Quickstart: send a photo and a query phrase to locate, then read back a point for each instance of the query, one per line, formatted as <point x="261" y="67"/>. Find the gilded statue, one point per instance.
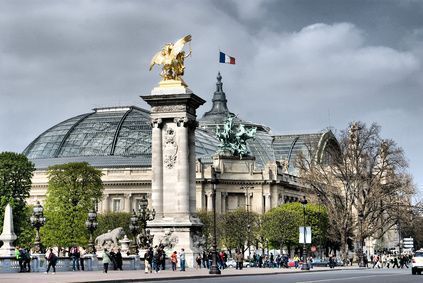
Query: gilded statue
<point x="172" y="58"/>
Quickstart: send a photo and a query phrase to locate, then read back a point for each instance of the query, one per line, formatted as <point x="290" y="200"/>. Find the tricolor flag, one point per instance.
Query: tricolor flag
<point x="223" y="58"/>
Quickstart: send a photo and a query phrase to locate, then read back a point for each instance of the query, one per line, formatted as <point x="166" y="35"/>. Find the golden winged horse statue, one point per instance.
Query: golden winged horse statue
<point x="172" y="58"/>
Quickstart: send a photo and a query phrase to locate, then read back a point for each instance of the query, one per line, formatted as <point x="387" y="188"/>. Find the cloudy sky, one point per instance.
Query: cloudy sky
<point x="301" y="65"/>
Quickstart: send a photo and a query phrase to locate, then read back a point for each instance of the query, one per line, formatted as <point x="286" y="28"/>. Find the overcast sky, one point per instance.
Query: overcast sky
<point x="301" y="65"/>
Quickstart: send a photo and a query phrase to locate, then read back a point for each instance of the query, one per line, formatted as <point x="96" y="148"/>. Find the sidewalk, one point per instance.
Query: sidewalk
<point x="139" y="275"/>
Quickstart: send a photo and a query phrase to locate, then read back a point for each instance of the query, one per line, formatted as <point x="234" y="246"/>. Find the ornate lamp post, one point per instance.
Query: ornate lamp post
<point x="361" y="252"/>
<point x="305" y="265"/>
<point x="145" y="214"/>
<point x="37" y="221"/>
<point x="214" y="269"/>
<point x="91" y="225"/>
<point x="134" y="228"/>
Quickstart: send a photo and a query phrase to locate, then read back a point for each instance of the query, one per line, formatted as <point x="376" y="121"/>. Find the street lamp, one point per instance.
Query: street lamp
<point x="134" y="228"/>
<point x="91" y="225"/>
<point x="361" y="251"/>
<point x="144" y="215"/>
<point x="320" y="227"/>
<point x="305" y="265"/>
<point x="214" y="269"/>
<point x="37" y="221"/>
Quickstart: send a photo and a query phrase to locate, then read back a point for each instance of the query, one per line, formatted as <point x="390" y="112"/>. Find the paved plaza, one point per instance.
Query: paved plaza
<point x="139" y="275"/>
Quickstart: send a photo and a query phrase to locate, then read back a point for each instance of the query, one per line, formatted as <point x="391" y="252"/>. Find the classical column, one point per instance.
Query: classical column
<point x="183" y="163"/>
<point x="157" y="167"/>
<point x="223" y="208"/>
<point x="105" y="204"/>
<point x="209" y="202"/>
<point x="268" y="205"/>
<point x="128" y="199"/>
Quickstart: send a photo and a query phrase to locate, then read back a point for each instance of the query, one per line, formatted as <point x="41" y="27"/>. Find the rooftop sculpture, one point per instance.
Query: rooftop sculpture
<point x="233" y="139"/>
<point x="172" y="58"/>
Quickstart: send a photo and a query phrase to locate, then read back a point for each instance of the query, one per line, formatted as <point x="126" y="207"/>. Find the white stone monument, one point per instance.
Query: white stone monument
<point x="8" y="235"/>
<point x="173" y="119"/>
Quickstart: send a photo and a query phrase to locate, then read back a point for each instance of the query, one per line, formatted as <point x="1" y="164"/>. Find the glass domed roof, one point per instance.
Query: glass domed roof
<point x="114" y="136"/>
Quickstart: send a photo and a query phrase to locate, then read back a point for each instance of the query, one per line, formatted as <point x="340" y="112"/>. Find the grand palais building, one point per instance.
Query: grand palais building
<point x="117" y="140"/>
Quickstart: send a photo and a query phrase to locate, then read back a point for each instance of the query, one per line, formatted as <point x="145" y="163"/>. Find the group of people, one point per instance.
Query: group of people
<point x="155" y="259"/>
<point x="114" y="258"/>
<point x="24" y="258"/>
<point x="388" y="260"/>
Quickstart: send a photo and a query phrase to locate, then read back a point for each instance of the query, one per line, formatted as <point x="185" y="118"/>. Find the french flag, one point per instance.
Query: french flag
<point x="223" y="58"/>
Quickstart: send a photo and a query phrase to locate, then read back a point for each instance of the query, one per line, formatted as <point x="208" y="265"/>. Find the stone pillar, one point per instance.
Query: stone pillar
<point x="128" y="200"/>
<point x="157" y="167"/>
<point x="223" y="207"/>
<point x="182" y="190"/>
<point x="105" y="204"/>
<point x="209" y="201"/>
<point x="268" y="205"/>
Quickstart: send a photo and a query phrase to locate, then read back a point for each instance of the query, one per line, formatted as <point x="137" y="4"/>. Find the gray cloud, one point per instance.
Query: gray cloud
<point x="301" y="65"/>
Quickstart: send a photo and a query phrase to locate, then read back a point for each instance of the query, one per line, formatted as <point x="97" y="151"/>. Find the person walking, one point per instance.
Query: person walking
<point x="182" y="259"/>
<point x="119" y="260"/>
<point x="174" y="260"/>
<point x="52" y="260"/>
<point x="82" y="253"/>
<point x="106" y="260"/>
<point x="239" y="257"/>
<point x="19" y="258"/>
<point x="148" y="260"/>
<point x="74" y="255"/>
<point x="198" y="261"/>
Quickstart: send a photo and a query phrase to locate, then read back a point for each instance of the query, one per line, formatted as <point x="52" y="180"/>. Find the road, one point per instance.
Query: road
<point x="341" y="276"/>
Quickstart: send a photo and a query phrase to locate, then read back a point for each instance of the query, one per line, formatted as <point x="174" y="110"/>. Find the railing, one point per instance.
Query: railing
<point x="91" y="263"/>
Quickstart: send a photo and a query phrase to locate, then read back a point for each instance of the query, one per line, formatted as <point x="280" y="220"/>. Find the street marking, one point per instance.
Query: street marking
<point x="349" y="278"/>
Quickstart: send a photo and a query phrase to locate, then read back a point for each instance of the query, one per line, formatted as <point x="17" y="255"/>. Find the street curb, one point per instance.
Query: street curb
<point x="211" y="276"/>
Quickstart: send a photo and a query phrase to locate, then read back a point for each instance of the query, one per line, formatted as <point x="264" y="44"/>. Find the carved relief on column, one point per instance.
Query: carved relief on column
<point x="170" y="148"/>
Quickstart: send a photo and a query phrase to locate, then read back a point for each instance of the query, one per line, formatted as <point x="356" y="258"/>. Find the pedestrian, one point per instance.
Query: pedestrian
<point x="19" y="258"/>
<point x="205" y="260"/>
<point x="239" y="257"/>
<point x="148" y="259"/>
<point x="182" y="259"/>
<point x="331" y="261"/>
<point x="82" y="253"/>
<point x="163" y="258"/>
<point x="296" y="261"/>
<point x="74" y="255"/>
<point x="52" y="260"/>
<point x="26" y="259"/>
<point x="106" y="260"/>
<point x="395" y="262"/>
<point x="119" y="259"/>
<point x="174" y="260"/>
<point x="198" y="261"/>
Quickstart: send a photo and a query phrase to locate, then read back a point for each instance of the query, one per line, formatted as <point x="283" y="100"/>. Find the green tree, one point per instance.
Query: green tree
<point x="15" y="184"/>
<point x="281" y="224"/>
<point x="234" y="229"/>
<point x="111" y="220"/>
<point x="73" y="189"/>
<point x="206" y="218"/>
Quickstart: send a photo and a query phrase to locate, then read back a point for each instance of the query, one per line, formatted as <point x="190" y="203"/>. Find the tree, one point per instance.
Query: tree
<point x="280" y="225"/>
<point x="73" y="189"/>
<point x="15" y="185"/>
<point x="362" y="173"/>
<point x="206" y="218"/>
<point x="234" y="231"/>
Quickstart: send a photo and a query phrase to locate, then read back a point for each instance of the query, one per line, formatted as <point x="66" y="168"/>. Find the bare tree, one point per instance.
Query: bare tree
<point x="363" y="175"/>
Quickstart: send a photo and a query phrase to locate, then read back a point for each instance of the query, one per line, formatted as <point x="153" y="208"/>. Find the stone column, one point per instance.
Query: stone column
<point x="223" y="209"/>
<point x="183" y="194"/>
<point x="105" y="204"/>
<point x="268" y="205"/>
<point x="128" y="199"/>
<point x="209" y="201"/>
<point x="157" y="167"/>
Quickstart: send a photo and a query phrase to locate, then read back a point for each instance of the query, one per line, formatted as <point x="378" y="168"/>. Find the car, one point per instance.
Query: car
<point x="417" y="262"/>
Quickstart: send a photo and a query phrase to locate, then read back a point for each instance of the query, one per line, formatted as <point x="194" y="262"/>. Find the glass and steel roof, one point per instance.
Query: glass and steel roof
<point x="109" y="137"/>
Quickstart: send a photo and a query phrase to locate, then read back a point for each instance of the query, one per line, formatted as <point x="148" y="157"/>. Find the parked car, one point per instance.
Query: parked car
<point x="325" y="262"/>
<point x="417" y="262"/>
